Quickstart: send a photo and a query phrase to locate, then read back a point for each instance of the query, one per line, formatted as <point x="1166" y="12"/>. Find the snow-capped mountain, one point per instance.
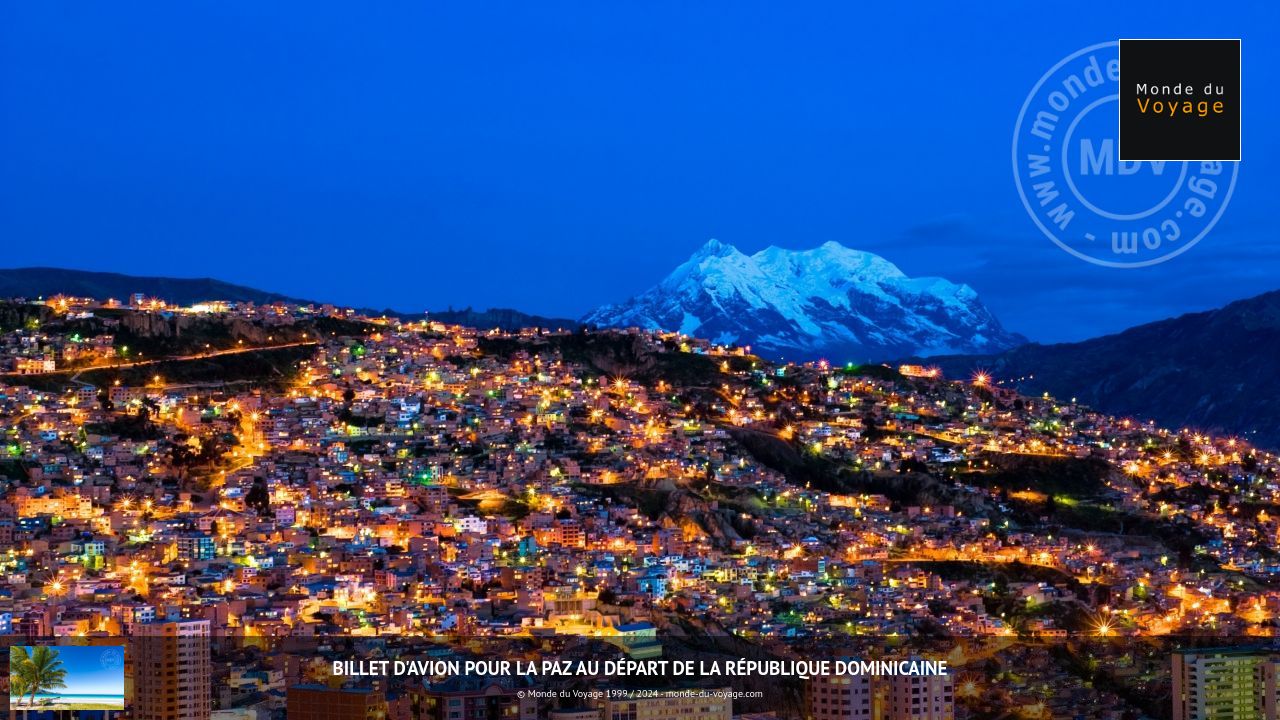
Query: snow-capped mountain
<point x="829" y="302"/>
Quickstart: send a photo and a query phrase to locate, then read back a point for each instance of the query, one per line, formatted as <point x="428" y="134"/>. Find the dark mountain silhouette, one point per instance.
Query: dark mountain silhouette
<point x="1215" y="371"/>
<point x="504" y="318"/>
<point x="38" y="282"/>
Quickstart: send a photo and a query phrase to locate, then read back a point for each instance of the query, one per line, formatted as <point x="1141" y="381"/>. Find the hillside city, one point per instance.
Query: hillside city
<point x="271" y="472"/>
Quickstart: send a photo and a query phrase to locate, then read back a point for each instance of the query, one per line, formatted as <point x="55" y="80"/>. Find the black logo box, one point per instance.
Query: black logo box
<point x="1211" y="132"/>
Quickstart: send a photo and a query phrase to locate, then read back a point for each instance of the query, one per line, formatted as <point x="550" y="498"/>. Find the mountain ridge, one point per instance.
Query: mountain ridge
<point x="830" y="301"/>
<point x="36" y="282"/>
<point x="1213" y="370"/>
<point x="45" y="281"/>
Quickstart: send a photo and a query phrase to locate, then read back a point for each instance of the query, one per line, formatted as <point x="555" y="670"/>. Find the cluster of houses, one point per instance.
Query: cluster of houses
<point x="410" y="481"/>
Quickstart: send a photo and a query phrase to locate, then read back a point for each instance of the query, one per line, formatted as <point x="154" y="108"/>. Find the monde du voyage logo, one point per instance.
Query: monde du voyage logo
<point x="1122" y="184"/>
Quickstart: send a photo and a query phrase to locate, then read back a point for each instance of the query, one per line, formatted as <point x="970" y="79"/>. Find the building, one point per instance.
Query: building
<point x="193" y="547"/>
<point x="1223" y="684"/>
<point x="880" y="697"/>
<point x="688" y="704"/>
<point x="577" y="713"/>
<point x="34" y="366"/>
<point x="918" y="697"/>
<point x="472" y="698"/>
<point x="1269" y="697"/>
<point x="171" y="669"/>
<point x="919" y="371"/>
<point x="318" y="702"/>
<point x="839" y="697"/>
<point x="638" y="639"/>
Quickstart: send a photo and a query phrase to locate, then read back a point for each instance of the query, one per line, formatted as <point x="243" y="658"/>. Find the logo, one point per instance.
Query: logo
<point x="111" y="658"/>
<point x="1180" y="100"/>
<point x="1070" y="178"/>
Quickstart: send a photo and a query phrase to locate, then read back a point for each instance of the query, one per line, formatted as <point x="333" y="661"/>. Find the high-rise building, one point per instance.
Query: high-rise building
<point x="1269" y="688"/>
<point x="1223" y="684"/>
<point x="839" y="697"/>
<point x="880" y="697"/>
<point x="919" y="697"/>
<point x="318" y="702"/>
<point x="688" y="704"/>
<point x="171" y="668"/>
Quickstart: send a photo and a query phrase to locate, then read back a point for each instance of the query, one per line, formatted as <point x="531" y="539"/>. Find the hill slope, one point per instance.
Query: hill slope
<point x="35" y="282"/>
<point x="1217" y="371"/>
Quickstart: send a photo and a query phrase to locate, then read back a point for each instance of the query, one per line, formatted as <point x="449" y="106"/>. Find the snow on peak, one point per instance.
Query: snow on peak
<point x="829" y="300"/>
<point x="714" y="248"/>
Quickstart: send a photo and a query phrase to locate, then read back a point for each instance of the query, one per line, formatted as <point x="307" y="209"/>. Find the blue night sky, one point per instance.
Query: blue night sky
<point x="555" y="156"/>
<point x="87" y="674"/>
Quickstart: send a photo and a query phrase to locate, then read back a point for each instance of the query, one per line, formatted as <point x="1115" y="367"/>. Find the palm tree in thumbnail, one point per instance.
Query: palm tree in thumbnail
<point x="18" y="683"/>
<point x="37" y="671"/>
